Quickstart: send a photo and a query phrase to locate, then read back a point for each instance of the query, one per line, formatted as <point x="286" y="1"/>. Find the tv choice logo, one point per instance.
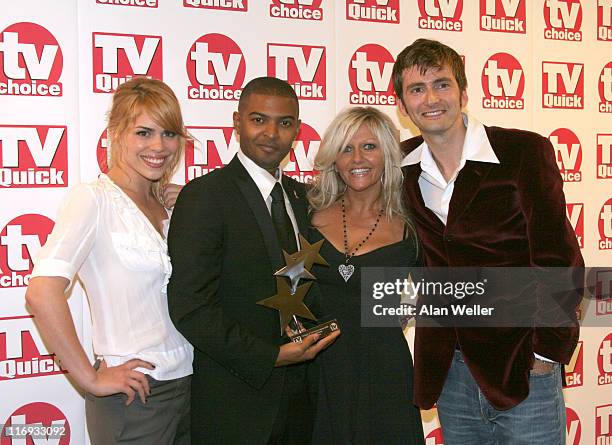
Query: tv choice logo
<point x="573" y="427"/>
<point x="382" y="11"/>
<point x="31" y="62"/>
<point x="222" y="5"/>
<point x="435" y="437"/>
<point x="507" y="16"/>
<point x="299" y="163"/>
<point x="604" y="20"/>
<point x="575" y="215"/>
<point x="302" y="66"/>
<point x="603" y="292"/>
<point x="42" y="423"/>
<point x="604" y="156"/>
<point x="604" y="361"/>
<point x="102" y="151"/>
<point x="216" y="68"/>
<point x="605" y="89"/>
<point x="574" y="370"/>
<point x="22" y="351"/>
<point x="33" y="156"/>
<point x="139" y="3"/>
<point x="20" y="241"/>
<point x="562" y="85"/>
<point x="296" y="9"/>
<point x="603" y="424"/>
<point x="440" y="15"/>
<point x="605" y="226"/>
<point x="119" y="57"/>
<point x="563" y="19"/>
<point x="568" y="152"/>
<point x="503" y="83"/>
<point x="369" y="73"/>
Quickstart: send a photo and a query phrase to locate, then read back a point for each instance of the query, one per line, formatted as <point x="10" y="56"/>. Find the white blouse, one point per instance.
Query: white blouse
<point x="124" y="266"/>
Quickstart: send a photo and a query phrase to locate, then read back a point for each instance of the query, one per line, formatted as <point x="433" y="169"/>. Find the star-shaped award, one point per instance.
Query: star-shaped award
<point x="309" y="252"/>
<point x="294" y="270"/>
<point x="288" y="304"/>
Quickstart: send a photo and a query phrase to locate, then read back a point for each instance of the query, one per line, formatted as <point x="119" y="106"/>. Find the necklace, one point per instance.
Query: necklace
<point x="346" y="270"/>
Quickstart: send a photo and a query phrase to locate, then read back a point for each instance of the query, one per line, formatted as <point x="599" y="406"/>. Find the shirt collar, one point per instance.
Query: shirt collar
<point x="263" y="179"/>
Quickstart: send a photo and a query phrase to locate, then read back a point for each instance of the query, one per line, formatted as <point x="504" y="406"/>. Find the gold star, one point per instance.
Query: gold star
<point x="310" y="253"/>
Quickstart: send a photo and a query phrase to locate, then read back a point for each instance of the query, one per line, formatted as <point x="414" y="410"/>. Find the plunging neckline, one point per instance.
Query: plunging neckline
<point x="361" y="254"/>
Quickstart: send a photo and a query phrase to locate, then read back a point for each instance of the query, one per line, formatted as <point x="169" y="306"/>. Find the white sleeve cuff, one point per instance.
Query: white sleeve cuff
<point x="52" y="267"/>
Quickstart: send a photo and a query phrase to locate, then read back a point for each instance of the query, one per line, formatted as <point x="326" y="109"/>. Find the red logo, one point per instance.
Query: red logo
<point x="225" y="58"/>
<point x="296" y="9"/>
<point x="604" y="156"/>
<point x="605" y="226"/>
<point x="33" y="156"/>
<point x="562" y="85"/>
<point x="441" y="15"/>
<point x="605" y="89"/>
<point x="575" y="214"/>
<point x="568" y="151"/>
<point x="370" y="76"/>
<point x="563" y="20"/>
<point x="435" y="437"/>
<point x="20" y="241"/>
<point x="222" y="5"/>
<point x="299" y="164"/>
<point x="603" y="288"/>
<point x="503" y="83"/>
<point x="573" y="427"/>
<point x="604" y="361"/>
<point x="22" y="352"/>
<point x="39" y="422"/>
<point x="139" y="3"/>
<point x="102" y="153"/>
<point x="574" y="370"/>
<point x="119" y="57"/>
<point x="604" y="20"/>
<point x="603" y="424"/>
<point x="214" y="147"/>
<point x="31" y="62"/>
<point x="303" y="67"/>
<point x="383" y="11"/>
<point x="503" y="16"/>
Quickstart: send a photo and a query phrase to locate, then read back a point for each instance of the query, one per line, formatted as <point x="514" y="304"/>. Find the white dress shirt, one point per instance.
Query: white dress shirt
<point x="124" y="266"/>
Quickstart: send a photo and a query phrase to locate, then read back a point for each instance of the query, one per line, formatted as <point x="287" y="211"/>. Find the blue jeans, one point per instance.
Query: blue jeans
<point x="467" y="417"/>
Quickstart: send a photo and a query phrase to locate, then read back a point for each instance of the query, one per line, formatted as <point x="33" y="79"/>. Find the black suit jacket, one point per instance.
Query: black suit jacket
<point x="224" y="252"/>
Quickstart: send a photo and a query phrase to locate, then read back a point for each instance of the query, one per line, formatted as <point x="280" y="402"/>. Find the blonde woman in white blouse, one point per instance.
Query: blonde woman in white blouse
<point x="112" y="233"/>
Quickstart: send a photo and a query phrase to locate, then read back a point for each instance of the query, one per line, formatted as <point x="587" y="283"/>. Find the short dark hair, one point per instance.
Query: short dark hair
<point x="270" y="86"/>
<point x="426" y="54"/>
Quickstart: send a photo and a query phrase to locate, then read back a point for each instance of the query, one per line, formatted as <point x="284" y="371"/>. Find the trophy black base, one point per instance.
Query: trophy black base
<point x="324" y="329"/>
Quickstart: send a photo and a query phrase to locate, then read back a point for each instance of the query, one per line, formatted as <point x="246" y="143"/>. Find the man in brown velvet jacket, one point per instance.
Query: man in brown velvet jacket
<point x="484" y="196"/>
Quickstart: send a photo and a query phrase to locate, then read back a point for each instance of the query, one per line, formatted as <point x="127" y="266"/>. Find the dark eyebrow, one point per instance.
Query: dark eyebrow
<point x="421" y="84"/>
<point x="142" y="127"/>
<point x="258" y="114"/>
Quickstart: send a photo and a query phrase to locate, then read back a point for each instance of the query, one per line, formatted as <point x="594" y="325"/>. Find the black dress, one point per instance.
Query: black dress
<point x="365" y="377"/>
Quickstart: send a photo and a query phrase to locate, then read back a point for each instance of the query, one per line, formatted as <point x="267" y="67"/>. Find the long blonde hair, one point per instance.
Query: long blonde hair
<point x="154" y="97"/>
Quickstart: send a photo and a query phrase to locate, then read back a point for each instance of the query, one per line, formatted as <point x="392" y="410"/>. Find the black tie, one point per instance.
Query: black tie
<point x="281" y="220"/>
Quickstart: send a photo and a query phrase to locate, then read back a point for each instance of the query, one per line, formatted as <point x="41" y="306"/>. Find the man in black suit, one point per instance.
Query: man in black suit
<point x="225" y="244"/>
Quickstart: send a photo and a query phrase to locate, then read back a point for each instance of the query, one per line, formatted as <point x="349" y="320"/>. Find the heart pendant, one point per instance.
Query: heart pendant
<point x="346" y="271"/>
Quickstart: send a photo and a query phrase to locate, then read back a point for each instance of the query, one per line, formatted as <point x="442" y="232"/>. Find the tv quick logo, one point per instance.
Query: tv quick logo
<point x="605" y="89"/>
<point x="20" y="241"/>
<point x="22" y="352"/>
<point x="216" y="68"/>
<point x="296" y="9"/>
<point x="102" y="151"/>
<point x="574" y="370"/>
<point x="604" y="20"/>
<point x="211" y="148"/>
<point x="503" y="16"/>
<point x="573" y="427"/>
<point x="31" y="61"/>
<point x="568" y="151"/>
<point x="605" y="226"/>
<point x="563" y="20"/>
<point x="370" y="76"/>
<point x="435" y="437"/>
<point x="575" y="215"/>
<point x="119" y="57"/>
<point x="603" y="291"/>
<point x="33" y="156"/>
<point x="299" y="163"/>
<point x="604" y="156"/>
<point x="302" y="66"/>
<point x="562" y="85"/>
<point x="604" y="361"/>
<point x="382" y="11"/>
<point x="36" y="423"/>
<point x="223" y="5"/>
<point x="603" y="424"/>
<point x="139" y="3"/>
<point x="441" y="15"/>
<point x="503" y="83"/>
